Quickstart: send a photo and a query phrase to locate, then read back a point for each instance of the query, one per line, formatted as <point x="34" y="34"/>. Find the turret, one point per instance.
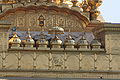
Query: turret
<point x="69" y="42"/>
<point x="83" y="43"/>
<point x="56" y="42"/>
<point x="42" y="42"/>
<point x="29" y="42"/>
<point x="15" y="41"/>
<point x="95" y="44"/>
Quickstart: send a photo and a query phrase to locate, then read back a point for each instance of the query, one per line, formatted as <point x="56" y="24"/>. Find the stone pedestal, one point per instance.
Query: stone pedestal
<point x="82" y="47"/>
<point x="29" y="46"/>
<point x="70" y="46"/>
<point x="95" y="47"/>
<point x="15" y="45"/>
<point x="56" y="46"/>
<point x="42" y="46"/>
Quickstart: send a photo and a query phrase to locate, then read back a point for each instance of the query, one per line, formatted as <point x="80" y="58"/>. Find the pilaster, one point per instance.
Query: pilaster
<point x="4" y="37"/>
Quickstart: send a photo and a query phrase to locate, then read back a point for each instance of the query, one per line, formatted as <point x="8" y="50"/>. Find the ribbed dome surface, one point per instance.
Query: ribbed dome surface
<point x="15" y="39"/>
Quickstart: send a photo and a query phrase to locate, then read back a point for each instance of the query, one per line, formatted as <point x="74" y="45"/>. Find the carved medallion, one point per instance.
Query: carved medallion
<point x="58" y="62"/>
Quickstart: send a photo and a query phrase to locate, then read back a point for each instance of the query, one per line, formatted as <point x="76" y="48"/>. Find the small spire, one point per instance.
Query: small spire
<point x="42" y="35"/>
<point x="28" y="35"/>
<point x="68" y="32"/>
<point x="28" y="31"/>
<point x="83" y="38"/>
<point x="69" y="35"/>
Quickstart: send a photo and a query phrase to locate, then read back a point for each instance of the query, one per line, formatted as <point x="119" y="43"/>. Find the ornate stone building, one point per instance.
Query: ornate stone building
<point x="57" y="39"/>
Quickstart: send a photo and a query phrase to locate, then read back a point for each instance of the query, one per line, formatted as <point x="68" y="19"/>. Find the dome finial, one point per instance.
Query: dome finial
<point x="69" y="35"/>
<point x="83" y="35"/>
<point x="28" y="31"/>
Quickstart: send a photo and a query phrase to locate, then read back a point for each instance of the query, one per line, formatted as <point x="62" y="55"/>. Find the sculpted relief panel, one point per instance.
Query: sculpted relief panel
<point x="58" y="61"/>
<point x="30" y="19"/>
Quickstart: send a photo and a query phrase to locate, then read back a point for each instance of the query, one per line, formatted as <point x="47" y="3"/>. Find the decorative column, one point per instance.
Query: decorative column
<point x="34" y="60"/>
<point x="50" y="60"/>
<point x="95" y="60"/>
<point x="110" y="61"/>
<point x="3" y="60"/>
<point x="19" y="59"/>
<point x="65" y="59"/>
<point x="80" y="60"/>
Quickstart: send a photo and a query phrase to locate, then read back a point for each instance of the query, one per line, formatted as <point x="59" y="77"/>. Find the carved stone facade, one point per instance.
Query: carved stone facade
<point x="29" y="18"/>
<point x="62" y="62"/>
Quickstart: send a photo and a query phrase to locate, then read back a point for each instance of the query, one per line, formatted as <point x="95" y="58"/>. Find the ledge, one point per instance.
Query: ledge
<point x="114" y="27"/>
<point x="60" y="74"/>
<point x="64" y="71"/>
<point x="57" y="50"/>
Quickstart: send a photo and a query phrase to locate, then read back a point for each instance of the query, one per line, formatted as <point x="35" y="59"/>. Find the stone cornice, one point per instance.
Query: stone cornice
<point x="34" y="74"/>
<point x="91" y="26"/>
<point x="4" y="28"/>
<point x="107" y="27"/>
<point x="102" y="51"/>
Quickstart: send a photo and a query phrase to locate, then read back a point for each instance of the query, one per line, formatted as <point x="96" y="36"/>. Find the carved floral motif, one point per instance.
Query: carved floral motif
<point x="30" y="19"/>
<point x="58" y="62"/>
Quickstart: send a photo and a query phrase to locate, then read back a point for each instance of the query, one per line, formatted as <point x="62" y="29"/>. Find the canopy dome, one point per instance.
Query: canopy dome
<point x="29" y="39"/>
<point x="95" y="42"/>
<point x="42" y="40"/>
<point x="83" y="41"/>
<point x="15" y="39"/>
<point x="56" y="41"/>
<point x="69" y="41"/>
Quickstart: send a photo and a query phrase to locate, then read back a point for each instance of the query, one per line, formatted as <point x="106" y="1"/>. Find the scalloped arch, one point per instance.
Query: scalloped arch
<point x="48" y="8"/>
